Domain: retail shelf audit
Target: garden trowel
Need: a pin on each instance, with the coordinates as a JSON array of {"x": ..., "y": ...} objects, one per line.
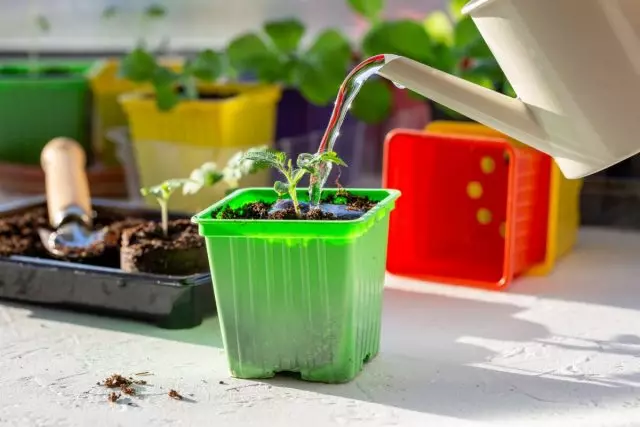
[{"x": 68, "y": 200}]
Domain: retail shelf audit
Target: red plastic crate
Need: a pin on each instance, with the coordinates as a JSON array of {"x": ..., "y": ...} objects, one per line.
[{"x": 473, "y": 210}]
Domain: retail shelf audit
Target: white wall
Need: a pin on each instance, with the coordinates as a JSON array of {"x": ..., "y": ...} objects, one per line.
[{"x": 76, "y": 25}]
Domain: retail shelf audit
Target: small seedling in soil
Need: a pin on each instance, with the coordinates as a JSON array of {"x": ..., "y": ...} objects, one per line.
[
  {"x": 175, "y": 395},
  {"x": 206, "y": 175},
  {"x": 305, "y": 164}
]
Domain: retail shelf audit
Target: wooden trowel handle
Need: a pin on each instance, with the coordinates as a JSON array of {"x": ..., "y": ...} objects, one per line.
[{"x": 63, "y": 162}]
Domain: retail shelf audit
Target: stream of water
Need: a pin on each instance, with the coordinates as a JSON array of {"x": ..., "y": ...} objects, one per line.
[{"x": 348, "y": 91}]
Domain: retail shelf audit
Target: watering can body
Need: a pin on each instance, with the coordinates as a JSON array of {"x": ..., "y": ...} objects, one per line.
[{"x": 575, "y": 66}]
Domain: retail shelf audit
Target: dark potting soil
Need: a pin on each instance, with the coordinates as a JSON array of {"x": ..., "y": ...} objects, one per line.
[
  {"x": 335, "y": 207},
  {"x": 146, "y": 249},
  {"x": 19, "y": 236},
  {"x": 207, "y": 96}
]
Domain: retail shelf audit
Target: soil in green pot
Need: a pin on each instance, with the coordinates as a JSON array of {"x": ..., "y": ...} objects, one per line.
[
  {"x": 335, "y": 207},
  {"x": 146, "y": 249}
]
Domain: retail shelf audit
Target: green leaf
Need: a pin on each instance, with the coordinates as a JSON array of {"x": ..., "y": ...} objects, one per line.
[
  {"x": 280, "y": 188},
  {"x": 164, "y": 190},
  {"x": 109, "y": 12},
  {"x": 373, "y": 103},
  {"x": 487, "y": 68},
  {"x": 43, "y": 23},
  {"x": 455, "y": 8},
  {"x": 318, "y": 82},
  {"x": 404, "y": 37},
  {"x": 332, "y": 46},
  {"x": 207, "y": 65},
  {"x": 444, "y": 58},
  {"x": 166, "y": 97},
  {"x": 508, "y": 90},
  {"x": 138, "y": 66},
  {"x": 439, "y": 27},
  {"x": 155, "y": 11},
  {"x": 332, "y": 157},
  {"x": 370, "y": 9},
  {"x": 465, "y": 32},
  {"x": 285, "y": 34},
  {"x": 270, "y": 158},
  {"x": 304, "y": 160},
  {"x": 249, "y": 53},
  {"x": 164, "y": 82}
]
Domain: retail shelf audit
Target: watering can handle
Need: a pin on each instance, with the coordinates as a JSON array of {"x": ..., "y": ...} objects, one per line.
[{"x": 67, "y": 187}]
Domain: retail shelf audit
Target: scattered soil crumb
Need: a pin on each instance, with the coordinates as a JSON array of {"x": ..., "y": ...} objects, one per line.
[
  {"x": 222, "y": 383},
  {"x": 127, "y": 390},
  {"x": 116, "y": 381},
  {"x": 142, "y": 374},
  {"x": 175, "y": 395},
  {"x": 113, "y": 396},
  {"x": 140, "y": 382}
]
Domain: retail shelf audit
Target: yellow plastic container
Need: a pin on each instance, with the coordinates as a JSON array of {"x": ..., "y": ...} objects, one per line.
[
  {"x": 106, "y": 87},
  {"x": 171, "y": 144},
  {"x": 564, "y": 203}
]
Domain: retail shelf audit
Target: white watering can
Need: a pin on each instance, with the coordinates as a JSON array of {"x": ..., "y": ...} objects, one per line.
[{"x": 575, "y": 66}]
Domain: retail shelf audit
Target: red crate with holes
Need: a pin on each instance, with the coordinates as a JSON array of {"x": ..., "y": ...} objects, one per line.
[{"x": 473, "y": 210}]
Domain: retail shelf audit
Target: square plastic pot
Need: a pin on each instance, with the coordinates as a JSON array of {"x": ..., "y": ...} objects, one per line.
[
  {"x": 37, "y": 108},
  {"x": 474, "y": 210},
  {"x": 106, "y": 87},
  {"x": 171, "y": 144},
  {"x": 564, "y": 197},
  {"x": 298, "y": 296}
]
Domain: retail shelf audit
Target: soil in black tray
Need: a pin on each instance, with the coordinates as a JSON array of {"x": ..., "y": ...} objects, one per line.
[
  {"x": 146, "y": 249},
  {"x": 19, "y": 236},
  {"x": 338, "y": 206}
]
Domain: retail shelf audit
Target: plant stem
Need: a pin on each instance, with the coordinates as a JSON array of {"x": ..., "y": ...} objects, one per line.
[
  {"x": 294, "y": 199},
  {"x": 190, "y": 88},
  {"x": 164, "y": 220}
]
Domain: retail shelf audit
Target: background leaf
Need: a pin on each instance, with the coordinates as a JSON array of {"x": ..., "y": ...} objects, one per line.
[
  {"x": 285, "y": 34},
  {"x": 405, "y": 37},
  {"x": 455, "y": 8},
  {"x": 370, "y": 9},
  {"x": 207, "y": 65},
  {"x": 43, "y": 24},
  {"x": 374, "y": 101},
  {"x": 109, "y": 12},
  {"x": 250, "y": 54},
  {"x": 138, "y": 66},
  {"x": 155, "y": 11},
  {"x": 439, "y": 27},
  {"x": 318, "y": 81},
  {"x": 331, "y": 44}
]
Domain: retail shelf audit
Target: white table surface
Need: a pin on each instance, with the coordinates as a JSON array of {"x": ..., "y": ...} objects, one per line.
[{"x": 562, "y": 350}]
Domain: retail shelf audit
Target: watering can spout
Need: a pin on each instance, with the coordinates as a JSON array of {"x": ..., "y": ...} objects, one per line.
[{"x": 503, "y": 113}]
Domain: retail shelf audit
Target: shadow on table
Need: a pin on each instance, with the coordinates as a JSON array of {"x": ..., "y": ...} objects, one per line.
[
  {"x": 207, "y": 334},
  {"x": 427, "y": 364}
]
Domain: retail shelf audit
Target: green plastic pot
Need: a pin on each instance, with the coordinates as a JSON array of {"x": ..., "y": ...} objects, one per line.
[
  {"x": 36, "y": 108},
  {"x": 298, "y": 296}
]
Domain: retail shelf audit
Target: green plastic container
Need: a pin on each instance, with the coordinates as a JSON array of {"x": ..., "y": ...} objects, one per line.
[
  {"x": 298, "y": 296},
  {"x": 36, "y": 109}
]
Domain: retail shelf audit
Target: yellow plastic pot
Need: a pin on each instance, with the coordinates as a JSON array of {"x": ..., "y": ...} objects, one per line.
[
  {"x": 564, "y": 203},
  {"x": 171, "y": 144},
  {"x": 106, "y": 87}
]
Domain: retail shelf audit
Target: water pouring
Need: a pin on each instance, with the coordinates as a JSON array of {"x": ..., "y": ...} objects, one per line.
[{"x": 574, "y": 67}]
